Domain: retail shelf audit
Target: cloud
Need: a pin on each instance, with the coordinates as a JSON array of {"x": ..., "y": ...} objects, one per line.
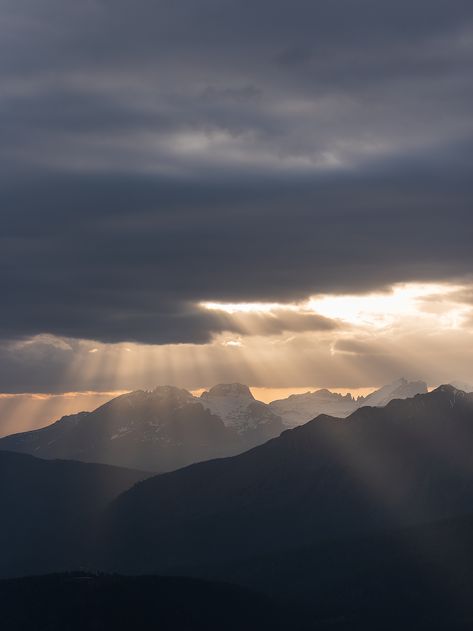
[
  {"x": 359, "y": 347},
  {"x": 159, "y": 155}
]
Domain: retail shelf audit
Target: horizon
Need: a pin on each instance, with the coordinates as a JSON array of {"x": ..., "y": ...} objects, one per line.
[
  {"x": 179, "y": 208},
  {"x": 29, "y": 411}
]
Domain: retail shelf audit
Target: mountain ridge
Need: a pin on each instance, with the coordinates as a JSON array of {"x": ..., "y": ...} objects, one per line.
[
  {"x": 161, "y": 430},
  {"x": 397, "y": 466},
  {"x": 51, "y": 508}
]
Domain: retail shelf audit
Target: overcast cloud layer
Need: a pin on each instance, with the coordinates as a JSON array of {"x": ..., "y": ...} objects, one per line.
[{"x": 158, "y": 154}]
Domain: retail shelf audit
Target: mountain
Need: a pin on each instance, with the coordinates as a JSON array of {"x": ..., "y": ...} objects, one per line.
[
  {"x": 161, "y": 430},
  {"x": 462, "y": 385},
  {"x": 408, "y": 463},
  {"x": 49, "y": 510},
  {"x": 89, "y": 601},
  {"x": 400, "y": 389},
  {"x": 253, "y": 420},
  {"x": 297, "y": 409},
  {"x": 419, "y": 578}
]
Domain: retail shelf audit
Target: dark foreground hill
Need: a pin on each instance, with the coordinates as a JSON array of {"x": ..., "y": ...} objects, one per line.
[
  {"x": 50, "y": 509},
  {"x": 83, "y": 601},
  {"x": 380, "y": 469},
  {"x": 418, "y": 578}
]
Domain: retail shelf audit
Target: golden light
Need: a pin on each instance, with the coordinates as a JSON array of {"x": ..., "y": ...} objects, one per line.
[
  {"x": 233, "y": 308},
  {"x": 374, "y": 310}
]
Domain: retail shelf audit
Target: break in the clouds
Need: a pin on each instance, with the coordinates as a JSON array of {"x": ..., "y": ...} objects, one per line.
[
  {"x": 363, "y": 340},
  {"x": 156, "y": 156}
]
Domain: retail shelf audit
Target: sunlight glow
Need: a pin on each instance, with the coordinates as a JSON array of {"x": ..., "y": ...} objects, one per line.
[
  {"x": 233, "y": 308},
  {"x": 381, "y": 309},
  {"x": 375, "y": 310}
]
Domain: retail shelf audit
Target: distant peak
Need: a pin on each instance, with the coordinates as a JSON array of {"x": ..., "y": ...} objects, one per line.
[
  {"x": 228, "y": 390},
  {"x": 402, "y": 381},
  {"x": 447, "y": 388},
  {"x": 171, "y": 391}
]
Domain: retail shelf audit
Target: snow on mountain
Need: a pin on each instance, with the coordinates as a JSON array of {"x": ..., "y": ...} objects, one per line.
[
  {"x": 301, "y": 408},
  {"x": 400, "y": 389},
  {"x": 240, "y": 411},
  {"x": 168, "y": 427},
  {"x": 297, "y": 409},
  {"x": 158, "y": 430}
]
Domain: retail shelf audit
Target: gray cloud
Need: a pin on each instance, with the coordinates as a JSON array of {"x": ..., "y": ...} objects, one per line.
[
  {"x": 155, "y": 155},
  {"x": 360, "y": 347}
]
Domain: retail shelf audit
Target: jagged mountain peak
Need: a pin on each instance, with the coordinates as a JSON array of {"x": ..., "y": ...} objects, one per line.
[
  {"x": 407, "y": 463},
  {"x": 448, "y": 388},
  {"x": 240, "y": 411},
  {"x": 298, "y": 409},
  {"x": 167, "y": 390},
  {"x": 228, "y": 390},
  {"x": 399, "y": 389},
  {"x": 160, "y": 429},
  {"x": 173, "y": 393}
]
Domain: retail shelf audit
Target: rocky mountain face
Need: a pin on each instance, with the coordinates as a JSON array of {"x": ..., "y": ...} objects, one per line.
[
  {"x": 380, "y": 469},
  {"x": 400, "y": 389},
  {"x": 297, "y": 409},
  {"x": 168, "y": 428},
  {"x": 160, "y": 430},
  {"x": 355, "y": 524},
  {"x": 254, "y": 421},
  {"x": 301, "y": 408}
]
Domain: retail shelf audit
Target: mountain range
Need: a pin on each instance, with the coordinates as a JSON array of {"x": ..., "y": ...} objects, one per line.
[
  {"x": 363, "y": 522},
  {"x": 168, "y": 428},
  {"x": 408, "y": 463},
  {"x": 297, "y": 409}
]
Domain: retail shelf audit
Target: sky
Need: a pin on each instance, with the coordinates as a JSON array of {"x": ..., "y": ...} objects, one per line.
[{"x": 269, "y": 191}]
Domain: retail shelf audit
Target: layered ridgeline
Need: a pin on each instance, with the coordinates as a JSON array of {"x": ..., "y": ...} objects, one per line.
[
  {"x": 380, "y": 469},
  {"x": 79, "y": 601},
  {"x": 300, "y": 408},
  {"x": 49, "y": 509},
  {"x": 160, "y": 430},
  {"x": 341, "y": 515},
  {"x": 168, "y": 428}
]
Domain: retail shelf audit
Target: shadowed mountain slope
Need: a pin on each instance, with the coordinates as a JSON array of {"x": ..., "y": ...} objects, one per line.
[
  {"x": 420, "y": 578},
  {"x": 161, "y": 430},
  {"x": 50, "y": 509},
  {"x": 147, "y": 603},
  {"x": 382, "y": 468}
]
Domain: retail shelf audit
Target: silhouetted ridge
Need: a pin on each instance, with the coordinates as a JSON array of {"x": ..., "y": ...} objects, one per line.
[
  {"x": 51, "y": 509},
  {"x": 89, "y": 601},
  {"x": 410, "y": 462}
]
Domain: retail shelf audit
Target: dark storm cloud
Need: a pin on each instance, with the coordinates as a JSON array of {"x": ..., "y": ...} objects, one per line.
[{"x": 155, "y": 155}]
